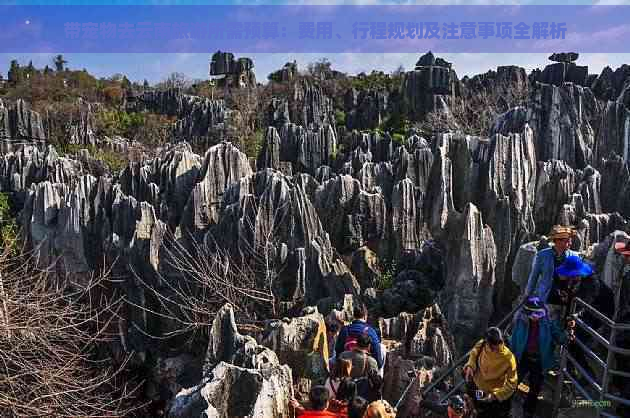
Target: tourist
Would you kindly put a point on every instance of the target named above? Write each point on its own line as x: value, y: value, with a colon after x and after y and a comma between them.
x: 345, y: 394
x: 332, y: 331
x: 456, y: 407
x: 533, y: 342
x: 541, y: 278
x: 357, y: 407
x: 371, y: 388
x: 362, y: 362
x: 318, y: 404
x: 492, y: 368
x: 347, y: 338
x: 575, y: 279
x: 340, y: 370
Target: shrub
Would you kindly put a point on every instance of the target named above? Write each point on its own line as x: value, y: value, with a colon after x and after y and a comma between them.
x: 340, y: 118
x: 8, y: 226
x: 387, y: 277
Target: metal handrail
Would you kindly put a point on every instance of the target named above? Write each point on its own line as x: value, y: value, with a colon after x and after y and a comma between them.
x: 609, y: 343
x: 434, y: 383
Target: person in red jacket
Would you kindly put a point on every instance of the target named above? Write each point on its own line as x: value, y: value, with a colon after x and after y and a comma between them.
x: 318, y: 400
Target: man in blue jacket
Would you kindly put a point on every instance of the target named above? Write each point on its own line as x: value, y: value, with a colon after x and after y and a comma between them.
x: 541, y: 278
x: 347, y: 338
x: 532, y: 342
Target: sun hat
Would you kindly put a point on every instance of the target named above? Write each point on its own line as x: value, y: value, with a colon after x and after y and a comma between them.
x: 534, y: 308
x: 574, y: 266
x: 561, y: 232
x: 623, y: 248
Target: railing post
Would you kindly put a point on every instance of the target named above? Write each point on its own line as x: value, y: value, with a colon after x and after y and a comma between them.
x: 609, y: 360
x: 557, y: 393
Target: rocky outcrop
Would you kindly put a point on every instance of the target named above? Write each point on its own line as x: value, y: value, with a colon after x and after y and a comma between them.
x: 18, y: 121
x: 353, y: 217
x: 82, y: 130
x: 563, y: 120
x: 564, y: 70
x: 429, y: 86
x: 307, y: 149
x: 555, y: 184
x: 241, y: 378
x: 286, y: 74
x: 301, y: 343
x: 506, y: 201
x: 470, y: 276
x: 198, y: 117
x: 614, y: 132
x: 311, y: 107
x: 425, y: 343
x: 223, y: 165
x: 267, y: 208
x: 609, y: 84
x: 237, y: 73
x: 269, y: 156
x: 365, y: 109
x: 278, y: 113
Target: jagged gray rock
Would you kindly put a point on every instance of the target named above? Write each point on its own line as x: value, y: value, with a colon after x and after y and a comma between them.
x: 241, y: 378
x: 307, y: 149
x: 555, y: 184
x: 562, y: 119
x: 18, y: 121
x: 470, y: 276
x: 428, y: 87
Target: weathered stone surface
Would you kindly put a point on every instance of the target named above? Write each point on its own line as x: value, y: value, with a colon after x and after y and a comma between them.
x: 564, y: 72
x: 197, y: 116
x: 269, y: 207
x: 312, y: 108
x: 286, y: 74
x: 564, y: 56
x: 18, y: 121
x: 352, y: 216
x: 609, y: 84
x: 269, y: 156
x: 300, y: 343
x: 425, y: 341
x: 555, y: 184
x: 278, y: 112
x: 238, y: 73
x: 614, y: 132
x: 306, y: 149
x: 82, y: 130
x: 366, y: 109
x: 562, y: 119
x: 506, y: 201
x: 223, y: 165
x: 615, y: 186
x: 470, y: 276
x: 241, y: 378
x: 523, y: 264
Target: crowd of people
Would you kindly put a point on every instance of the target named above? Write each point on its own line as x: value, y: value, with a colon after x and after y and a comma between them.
x: 496, y: 365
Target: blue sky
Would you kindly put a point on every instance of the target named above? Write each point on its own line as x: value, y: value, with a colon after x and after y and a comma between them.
x: 155, y: 67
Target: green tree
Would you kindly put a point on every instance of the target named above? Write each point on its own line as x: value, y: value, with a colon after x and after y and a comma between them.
x: 59, y: 62
x: 15, y: 72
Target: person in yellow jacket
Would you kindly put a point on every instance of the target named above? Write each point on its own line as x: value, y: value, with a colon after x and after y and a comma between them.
x: 492, y: 367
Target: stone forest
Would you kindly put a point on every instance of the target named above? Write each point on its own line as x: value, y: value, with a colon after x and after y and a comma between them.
x: 184, y: 249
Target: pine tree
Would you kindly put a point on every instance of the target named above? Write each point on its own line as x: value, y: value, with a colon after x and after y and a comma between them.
x: 15, y: 72
x: 59, y: 63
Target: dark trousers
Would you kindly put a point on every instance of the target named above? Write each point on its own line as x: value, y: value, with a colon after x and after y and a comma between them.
x: 530, y: 365
x: 494, y: 409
